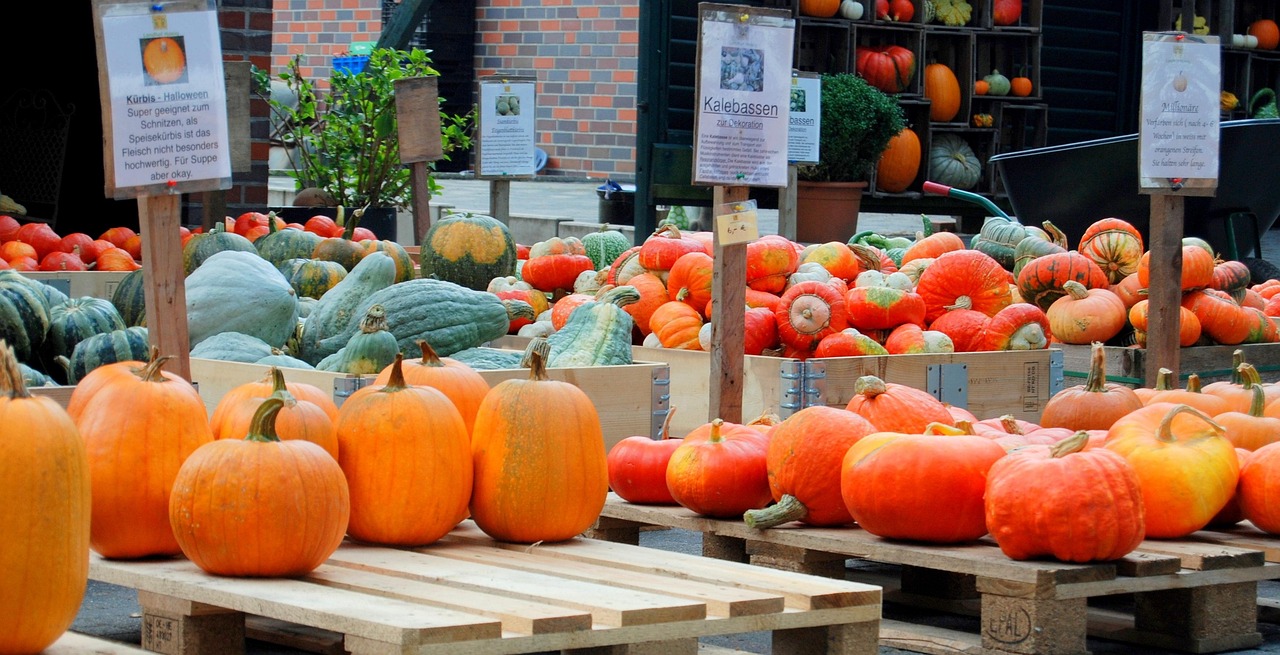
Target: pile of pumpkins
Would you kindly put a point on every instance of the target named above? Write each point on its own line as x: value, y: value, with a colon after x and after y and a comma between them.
x: 272, y: 482
x: 1012, y: 287
x: 1105, y: 467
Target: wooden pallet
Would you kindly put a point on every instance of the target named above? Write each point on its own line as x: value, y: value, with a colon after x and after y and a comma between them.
x: 74, y: 643
x: 468, y: 593
x: 1189, y: 595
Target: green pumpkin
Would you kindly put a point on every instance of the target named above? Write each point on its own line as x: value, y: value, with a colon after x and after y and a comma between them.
x: 34, y: 378
x: 279, y: 246
x: 468, y: 250
x: 52, y: 295
x: 336, y: 311
x: 397, y: 253
x: 130, y: 298
x: 597, y: 333
x: 129, y: 344
x: 368, y: 351
x: 240, y: 292
x: 605, y: 246
x: 311, y: 278
x: 1031, y: 247
x: 952, y: 162
x: 202, y: 246
x: 77, y: 319
x: 999, y: 237
x: 997, y: 84
x: 24, y: 314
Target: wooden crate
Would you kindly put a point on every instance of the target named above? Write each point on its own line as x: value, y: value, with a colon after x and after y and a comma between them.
x: 1212, y: 363
x: 622, y: 395
x: 1192, y: 595
x: 99, y: 284
x: 469, y: 594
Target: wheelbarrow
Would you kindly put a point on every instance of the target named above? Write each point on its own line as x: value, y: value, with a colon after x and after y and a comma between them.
x: 1075, y: 184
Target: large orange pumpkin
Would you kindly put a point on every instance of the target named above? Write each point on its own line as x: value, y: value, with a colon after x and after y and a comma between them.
x: 720, y: 470
x: 893, y: 407
x: 943, y: 91
x: 1268, y: 33
x: 1094, y: 405
x: 409, y: 487
x: 44, y: 555
x: 899, y: 163
x: 258, y: 506
x: 541, y: 472
x: 459, y: 382
x: 297, y: 419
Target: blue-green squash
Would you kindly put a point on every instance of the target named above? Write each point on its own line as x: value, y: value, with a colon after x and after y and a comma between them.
x: 77, y: 319
x: 24, y: 314
x: 368, y: 351
x: 404, y: 262
x: 311, y: 278
x: 233, y: 347
x: 201, y: 247
x: 52, y: 295
x: 130, y: 298
x: 283, y: 361
x: 337, y: 313
x: 597, y: 333
x: 129, y: 344
x: 468, y: 250
x: 280, y: 245
x: 240, y: 292
x: 952, y: 161
x: 448, y: 316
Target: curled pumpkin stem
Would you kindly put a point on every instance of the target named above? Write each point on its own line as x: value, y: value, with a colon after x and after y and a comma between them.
x: 1165, y: 430
x: 787, y: 509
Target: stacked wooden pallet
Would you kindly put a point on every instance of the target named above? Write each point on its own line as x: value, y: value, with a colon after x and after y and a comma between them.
x: 1196, y: 595
x: 470, y: 594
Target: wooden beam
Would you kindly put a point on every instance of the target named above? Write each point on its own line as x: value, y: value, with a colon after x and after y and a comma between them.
x: 164, y: 280
x: 404, y: 22
x: 729, y: 296
x: 1165, y: 293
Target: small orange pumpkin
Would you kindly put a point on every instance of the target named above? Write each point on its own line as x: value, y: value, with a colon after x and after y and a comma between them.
x: 1020, y: 86
x: 819, y: 8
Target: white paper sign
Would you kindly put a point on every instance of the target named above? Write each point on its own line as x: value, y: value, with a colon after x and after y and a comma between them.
x: 168, y: 101
x: 507, y: 128
x: 1179, y: 131
x: 803, y: 136
x: 744, y: 89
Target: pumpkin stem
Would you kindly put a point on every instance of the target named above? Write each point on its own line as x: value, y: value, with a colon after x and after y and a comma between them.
x: 869, y: 385
x: 1259, y: 402
x: 961, y: 428
x: 927, y: 226
x: 11, y: 383
x: 1164, y: 380
x: 1055, y: 235
x: 621, y: 295
x: 767, y: 419
x: 1165, y: 431
x: 429, y: 355
x: 962, y: 302
x: 1010, y: 424
x: 535, y: 357
x: 518, y: 309
x: 787, y: 509
x: 1237, y: 358
x: 375, y: 320
x: 263, y: 426
x: 1249, y: 376
x: 1193, y: 382
x: 716, y: 424
x: 152, y: 371
x: 1097, y: 380
x: 1076, y: 290
x: 1073, y: 444
x: 279, y: 389
x: 396, y: 381
x: 667, y: 230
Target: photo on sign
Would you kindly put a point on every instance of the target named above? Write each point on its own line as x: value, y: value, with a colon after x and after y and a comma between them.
x: 164, y: 59
x: 507, y: 105
x: 798, y: 100
x: 741, y: 69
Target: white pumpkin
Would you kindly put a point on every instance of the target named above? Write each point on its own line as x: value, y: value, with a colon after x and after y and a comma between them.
x: 851, y: 9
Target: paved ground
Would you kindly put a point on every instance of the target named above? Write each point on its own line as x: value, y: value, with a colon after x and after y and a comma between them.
x: 112, y: 612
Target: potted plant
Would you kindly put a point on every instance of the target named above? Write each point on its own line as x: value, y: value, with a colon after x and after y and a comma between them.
x: 343, y: 143
x: 858, y: 120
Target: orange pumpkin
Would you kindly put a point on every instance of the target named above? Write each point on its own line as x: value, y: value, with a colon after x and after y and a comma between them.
x: 1220, y: 317
x: 721, y: 472
x: 44, y: 556
x: 297, y: 419
x: 459, y: 382
x: 809, y: 311
x: 1094, y: 405
x: 803, y: 463
x: 676, y: 325
x: 969, y: 279
x: 1251, y: 429
x: 771, y: 259
x: 258, y: 506
x: 1187, y: 469
x: 689, y: 280
x: 943, y: 91
x: 981, y: 87
x: 1268, y: 33
x: 164, y: 60
x: 1197, y: 268
x: 837, y: 258
x: 1259, y: 488
x: 899, y: 163
x: 893, y: 407
x: 1115, y: 245
x: 1086, y: 315
x: 139, y: 424
x: 1189, y: 328
x: 1020, y: 86
x: 819, y: 8
x: 653, y: 294
x: 540, y: 466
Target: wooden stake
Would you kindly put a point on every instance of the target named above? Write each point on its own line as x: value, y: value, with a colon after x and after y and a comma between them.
x: 418, y: 123
x: 1164, y: 296
x: 787, y: 205
x: 164, y: 279
x: 729, y: 295
x: 500, y: 200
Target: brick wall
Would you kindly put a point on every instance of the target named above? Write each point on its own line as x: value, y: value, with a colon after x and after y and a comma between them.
x: 583, y: 54
x: 246, y: 32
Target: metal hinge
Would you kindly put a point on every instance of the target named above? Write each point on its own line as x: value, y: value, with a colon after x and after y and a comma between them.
x: 659, y: 400
x: 791, y: 372
x: 948, y: 383
x: 344, y: 387
x: 815, y: 383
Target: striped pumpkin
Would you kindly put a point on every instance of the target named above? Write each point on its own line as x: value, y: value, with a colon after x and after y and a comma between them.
x: 129, y: 344
x: 311, y: 278
x: 130, y: 299
x: 78, y: 319
x: 24, y: 314
x: 469, y: 250
x: 397, y: 253
x: 279, y: 246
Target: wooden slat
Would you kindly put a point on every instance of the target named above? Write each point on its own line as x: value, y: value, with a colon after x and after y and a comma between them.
x: 74, y: 643
x: 1245, y: 535
x: 1205, y: 557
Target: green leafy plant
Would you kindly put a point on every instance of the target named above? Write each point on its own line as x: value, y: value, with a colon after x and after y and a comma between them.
x: 344, y: 139
x: 857, y: 122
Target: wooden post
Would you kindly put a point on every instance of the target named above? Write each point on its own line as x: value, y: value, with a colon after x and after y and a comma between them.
x: 1164, y: 295
x: 787, y: 205
x: 164, y: 279
x: 729, y: 295
x: 500, y: 200
x: 418, y: 122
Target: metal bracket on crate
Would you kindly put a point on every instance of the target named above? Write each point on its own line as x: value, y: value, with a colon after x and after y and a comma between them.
x: 815, y: 383
x: 791, y: 393
x: 60, y: 283
x: 1056, y: 376
x: 948, y: 383
x: 344, y: 387
x: 659, y: 400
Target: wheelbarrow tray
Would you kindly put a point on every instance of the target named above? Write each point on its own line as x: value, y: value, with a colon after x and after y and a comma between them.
x: 1075, y: 184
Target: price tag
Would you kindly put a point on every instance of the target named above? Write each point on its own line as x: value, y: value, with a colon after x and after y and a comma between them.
x: 738, y: 224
